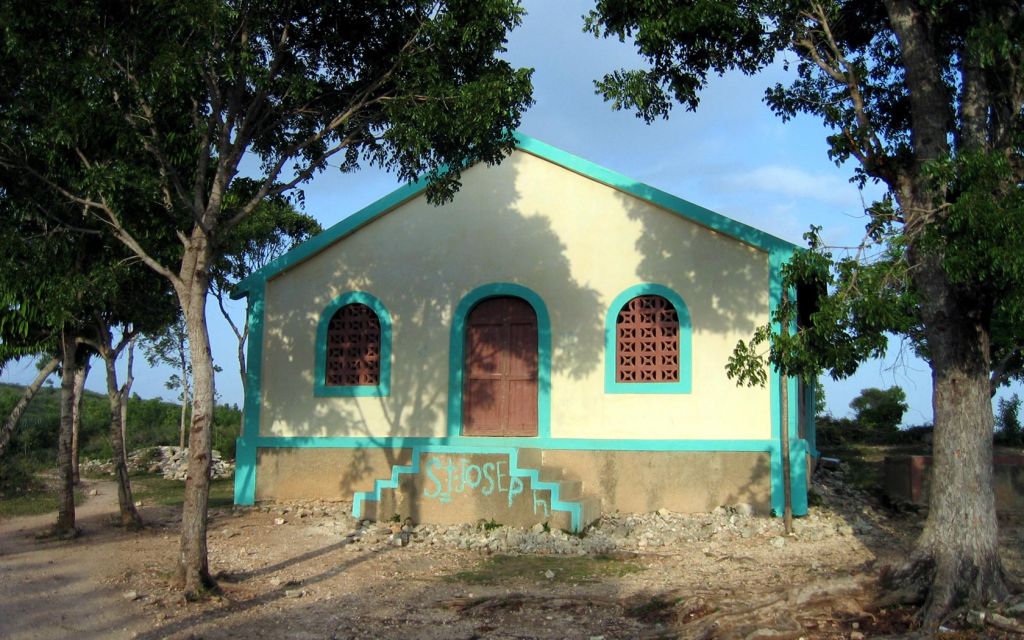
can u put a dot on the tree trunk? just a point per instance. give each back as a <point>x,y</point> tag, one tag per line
<point>125,392</point>
<point>129,515</point>
<point>76,417</point>
<point>185,393</point>
<point>956,559</point>
<point>193,567</point>
<point>26,397</point>
<point>65,526</point>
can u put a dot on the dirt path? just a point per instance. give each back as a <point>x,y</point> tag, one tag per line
<point>303,571</point>
<point>59,589</point>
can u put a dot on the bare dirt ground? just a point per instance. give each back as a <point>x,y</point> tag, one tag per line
<point>303,577</point>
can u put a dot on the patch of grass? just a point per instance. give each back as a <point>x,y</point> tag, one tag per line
<point>152,489</point>
<point>499,568</point>
<point>32,503</point>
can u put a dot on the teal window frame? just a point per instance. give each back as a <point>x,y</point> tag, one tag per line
<point>383,387</point>
<point>683,385</point>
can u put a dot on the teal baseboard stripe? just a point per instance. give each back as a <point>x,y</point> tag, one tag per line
<point>476,445</point>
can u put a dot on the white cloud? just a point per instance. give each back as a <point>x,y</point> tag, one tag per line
<point>797,183</point>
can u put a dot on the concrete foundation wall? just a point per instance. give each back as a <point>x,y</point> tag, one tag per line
<point>452,489</point>
<point>908,479</point>
<point>682,481</point>
<point>322,474</point>
<point>466,488</point>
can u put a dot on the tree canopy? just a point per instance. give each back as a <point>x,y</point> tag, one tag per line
<point>185,90</point>
<point>880,409</point>
<point>927,98</point>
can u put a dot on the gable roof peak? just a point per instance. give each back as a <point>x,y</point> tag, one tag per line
<point>664,200</point>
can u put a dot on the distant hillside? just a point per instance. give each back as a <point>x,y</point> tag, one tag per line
<point>150,422</point>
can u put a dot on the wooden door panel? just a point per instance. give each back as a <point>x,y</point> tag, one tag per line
<point>486,407</point>
<point>523,351</point>
<point>500,369</point>
<point>522,408</point>
<point>485,352</point>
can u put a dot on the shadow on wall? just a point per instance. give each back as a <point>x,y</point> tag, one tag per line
<point>715,275</point>
<point>422,267</point>
<point>422,261</point>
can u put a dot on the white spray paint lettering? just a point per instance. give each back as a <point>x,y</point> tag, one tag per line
<point>449,476</point>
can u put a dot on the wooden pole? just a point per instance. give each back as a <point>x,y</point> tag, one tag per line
<point>787,489</point>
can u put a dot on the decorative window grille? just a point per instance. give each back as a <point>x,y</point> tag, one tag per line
<point>353,347</point>
<point>647,341</point>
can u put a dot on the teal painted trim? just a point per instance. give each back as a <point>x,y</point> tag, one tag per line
<point>245,472</point>
<point>684,384</point>
<point>383,388</point>
<point>245,445</point>
<point>706,217</point>
<point>798,475</point>
<point>457,342</point>
<point>329,236</point>
<point>775,261</point>
<point>797,467</point>
<point>678,206</point>
<point>574,509</point>
<point>562,444</point>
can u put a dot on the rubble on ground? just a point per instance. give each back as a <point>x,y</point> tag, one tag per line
<point>170,462</point>
<point>847,512</point>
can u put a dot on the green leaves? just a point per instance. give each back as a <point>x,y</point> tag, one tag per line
<point>683,42</point>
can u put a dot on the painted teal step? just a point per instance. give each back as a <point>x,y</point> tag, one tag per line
<point>464,484</point>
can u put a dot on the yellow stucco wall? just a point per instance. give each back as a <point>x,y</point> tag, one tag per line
<point>577,244</point>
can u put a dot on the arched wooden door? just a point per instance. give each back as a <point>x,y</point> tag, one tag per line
<point>500,370</point>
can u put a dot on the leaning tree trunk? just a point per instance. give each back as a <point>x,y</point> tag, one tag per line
<point>65,526</point>
<point>193,565</point>
<point>76,417</point>
<point>183,416</point>
<point>956,558</point>
<point>129,515</point>
<point>26,397</point>
<point>126,390</point>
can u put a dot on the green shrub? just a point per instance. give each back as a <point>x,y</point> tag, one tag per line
<point>1008,427</point>
<point>17,476</point>
<point>880,410</point>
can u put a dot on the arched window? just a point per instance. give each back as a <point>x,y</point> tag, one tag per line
<point>353,347</point>
<point>647,342</point>
<point>353,351</point>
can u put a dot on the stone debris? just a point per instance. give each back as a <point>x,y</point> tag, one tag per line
<point>849,513</point>
<point>170,462</point>
<point>654,532</point>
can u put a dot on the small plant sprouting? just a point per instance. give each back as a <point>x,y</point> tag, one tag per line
<point>488,525</point>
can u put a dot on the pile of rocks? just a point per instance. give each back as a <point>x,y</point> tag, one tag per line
<point>634,532</point>
<point>170,462</point>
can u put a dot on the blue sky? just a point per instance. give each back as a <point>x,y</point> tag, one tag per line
<point>732,156</point>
